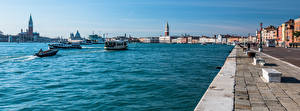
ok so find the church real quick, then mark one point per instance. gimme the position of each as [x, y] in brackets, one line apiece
[28, 35]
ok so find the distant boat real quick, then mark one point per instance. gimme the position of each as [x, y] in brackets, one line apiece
[50, 52]
[64, 46]
[115, 45]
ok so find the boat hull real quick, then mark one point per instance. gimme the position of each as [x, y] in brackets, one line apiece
[65, 47]
[116, 48]
[47, 53]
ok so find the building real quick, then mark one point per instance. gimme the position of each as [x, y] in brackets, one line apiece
[221, 39]
[252, 39]
[193, 39]
[287, 30]
[149, 40]
[205, 39]
[269, 33]
[234, 39]
[297, 24]
[166, 38]
[28, 35]
[3, 38]
[75, 38]
[279, 36]
[297, 29]
[182, 40]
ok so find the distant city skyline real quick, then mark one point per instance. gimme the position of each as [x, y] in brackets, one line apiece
[140, 18]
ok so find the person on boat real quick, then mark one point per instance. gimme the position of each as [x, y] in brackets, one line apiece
[41, 51]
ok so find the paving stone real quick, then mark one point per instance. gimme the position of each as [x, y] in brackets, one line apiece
[260, 109]
[268, 96]
[262, 104]
[252, 93]
[275, 108]
[289, 104]
[273, 103]
[280, 95]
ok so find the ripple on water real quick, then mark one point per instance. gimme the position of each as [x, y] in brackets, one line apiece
[146, 77]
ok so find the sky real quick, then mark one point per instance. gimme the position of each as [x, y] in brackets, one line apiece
[144, 18]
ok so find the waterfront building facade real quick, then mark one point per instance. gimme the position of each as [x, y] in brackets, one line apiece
[205, 39]
[269, 33]
[279, 36]
[234, 39]
[287, 32]
[297, 29]
[221, 39]
[149, 39]
[297, 24]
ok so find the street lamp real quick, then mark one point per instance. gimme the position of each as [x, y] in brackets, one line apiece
[260, 49]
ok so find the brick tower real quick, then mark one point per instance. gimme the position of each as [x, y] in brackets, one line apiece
[167, 30]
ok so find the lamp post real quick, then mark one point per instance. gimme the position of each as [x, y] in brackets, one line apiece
[260, 49]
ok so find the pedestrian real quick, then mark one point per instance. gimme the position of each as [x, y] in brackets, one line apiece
[248, 45]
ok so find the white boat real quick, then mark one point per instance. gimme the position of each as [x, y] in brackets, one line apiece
[64, 46]
[115, 45]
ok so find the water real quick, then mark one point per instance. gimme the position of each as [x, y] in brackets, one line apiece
[145, 77]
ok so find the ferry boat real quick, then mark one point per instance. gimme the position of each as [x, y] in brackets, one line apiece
[64, 46]
[115, 45]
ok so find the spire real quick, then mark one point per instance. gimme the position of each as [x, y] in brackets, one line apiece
[167, 29]
[30, 21]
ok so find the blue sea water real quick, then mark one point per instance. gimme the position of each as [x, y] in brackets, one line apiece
[147, 77]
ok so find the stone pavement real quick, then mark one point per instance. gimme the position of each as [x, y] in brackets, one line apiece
[251, 93]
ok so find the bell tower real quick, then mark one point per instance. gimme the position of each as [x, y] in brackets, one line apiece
[30, 27]
[167, 29]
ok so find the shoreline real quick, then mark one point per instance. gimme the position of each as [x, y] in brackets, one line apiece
[220, 92]
[239, 86]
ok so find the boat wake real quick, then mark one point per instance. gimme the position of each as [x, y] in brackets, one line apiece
[28, 58]
[23, 58]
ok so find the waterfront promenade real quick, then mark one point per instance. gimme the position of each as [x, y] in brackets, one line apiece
[252, 93]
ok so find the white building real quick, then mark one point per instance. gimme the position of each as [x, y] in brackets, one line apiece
[221, 39]
[207, 40]
[151, 40]
[75, 39]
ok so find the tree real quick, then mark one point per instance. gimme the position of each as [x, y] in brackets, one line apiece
[297, 34]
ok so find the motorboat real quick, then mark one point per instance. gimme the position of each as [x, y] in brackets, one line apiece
[64, 46]
[50, 52]
[115, 45]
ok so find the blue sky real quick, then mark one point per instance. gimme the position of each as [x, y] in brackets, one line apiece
[54, 18]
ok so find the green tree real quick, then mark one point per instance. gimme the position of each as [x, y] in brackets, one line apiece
[297, 34]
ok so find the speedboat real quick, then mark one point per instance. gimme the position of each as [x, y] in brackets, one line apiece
[50, 52]
[115, 45]
[64, 46]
